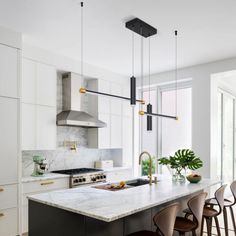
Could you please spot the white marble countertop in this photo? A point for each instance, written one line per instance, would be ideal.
(46, 176)
(108, 206)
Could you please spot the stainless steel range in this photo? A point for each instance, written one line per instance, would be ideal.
(82, 176)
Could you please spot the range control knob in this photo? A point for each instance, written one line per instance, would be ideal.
(83, 179)
(98, 177)
(104, 176)
(93, 178)
(80, 180)
(75, 181)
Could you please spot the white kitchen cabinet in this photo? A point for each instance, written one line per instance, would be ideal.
(28, 126)
(45, 85)
(116, 131)
(104, 102)
(45, 128)
(9, 68)
(116, 103)
(28, 81)
(8, 222)
(38, 127)
(8, 140)
(127, 141)
(38, 83)
(104, 135)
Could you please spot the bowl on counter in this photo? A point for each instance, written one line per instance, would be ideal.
(194, 178)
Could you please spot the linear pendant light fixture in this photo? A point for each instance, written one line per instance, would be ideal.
(132, 97)
(149, 108)
(149, 105)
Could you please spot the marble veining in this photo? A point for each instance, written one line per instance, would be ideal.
(109, 206)
(48, 176)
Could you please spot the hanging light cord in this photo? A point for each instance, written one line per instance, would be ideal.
(133, 53)
(149, 68)
(176, 73)
(141, 65)
(82, 41)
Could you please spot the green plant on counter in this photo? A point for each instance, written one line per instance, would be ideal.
(183, 159)
(146, 165)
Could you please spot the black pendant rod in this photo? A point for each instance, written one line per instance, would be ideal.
(84, 90)
(159, 115)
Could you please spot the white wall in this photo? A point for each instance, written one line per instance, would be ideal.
(203, 113)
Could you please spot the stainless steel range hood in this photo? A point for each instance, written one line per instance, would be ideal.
(72, 114)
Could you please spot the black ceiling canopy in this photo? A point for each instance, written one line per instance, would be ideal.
(140, 27)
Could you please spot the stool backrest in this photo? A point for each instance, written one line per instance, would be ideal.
(233, 190)
(196, 205)
(219, 196)
(164, 220)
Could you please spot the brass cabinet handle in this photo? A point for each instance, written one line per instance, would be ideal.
(1, 214)
(1, 189)
(47, 183)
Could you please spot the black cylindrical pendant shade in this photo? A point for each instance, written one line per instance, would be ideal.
(132, 90)
(149, 118)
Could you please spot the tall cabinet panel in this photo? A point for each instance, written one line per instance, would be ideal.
(10, 54)
(9, 84)
(8, 140)
(38, 106)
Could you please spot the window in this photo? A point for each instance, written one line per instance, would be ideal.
(168, 135)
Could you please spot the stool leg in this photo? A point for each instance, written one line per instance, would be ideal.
(202, 226)
(217, 226)
(226, 221)
(194, 233)
(181, 233)
(233, 219)
(209, 225)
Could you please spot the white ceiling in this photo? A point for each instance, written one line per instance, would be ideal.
(207, 29)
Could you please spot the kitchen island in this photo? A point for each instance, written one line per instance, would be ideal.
(91, 211)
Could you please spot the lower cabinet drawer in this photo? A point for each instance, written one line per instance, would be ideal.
(45, 185)
(8, 222)
(8, 196)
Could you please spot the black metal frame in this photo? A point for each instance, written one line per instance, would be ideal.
(140, 27)
(161, 115)
(112, 95)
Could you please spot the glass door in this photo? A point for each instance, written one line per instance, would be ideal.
(226, 115)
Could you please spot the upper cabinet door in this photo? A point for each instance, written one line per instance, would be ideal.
(28, 81)
(104, 101)
(45, 128)
(8, 140)
(9, 71)
(46, 85)
(28, 134)
(116, 103)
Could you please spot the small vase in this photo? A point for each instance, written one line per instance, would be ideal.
(177, 176)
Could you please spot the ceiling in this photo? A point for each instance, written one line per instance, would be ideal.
(207, 30)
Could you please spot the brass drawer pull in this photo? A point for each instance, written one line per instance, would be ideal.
(47, 183)
(1, 189)
(1, 214)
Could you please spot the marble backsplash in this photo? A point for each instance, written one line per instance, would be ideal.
(62, 158)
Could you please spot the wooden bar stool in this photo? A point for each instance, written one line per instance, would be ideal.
(227, 204)
(164, 220)
(195, 206)
(209, 213)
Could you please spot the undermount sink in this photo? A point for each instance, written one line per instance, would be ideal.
(137, 182)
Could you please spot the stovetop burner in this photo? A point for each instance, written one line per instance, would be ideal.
(77, 171)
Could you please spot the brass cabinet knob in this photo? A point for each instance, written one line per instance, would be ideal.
(1, 189)
(1, 214)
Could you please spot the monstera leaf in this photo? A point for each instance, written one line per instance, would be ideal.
(183, 159)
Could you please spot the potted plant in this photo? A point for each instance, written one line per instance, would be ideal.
(183, 159)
